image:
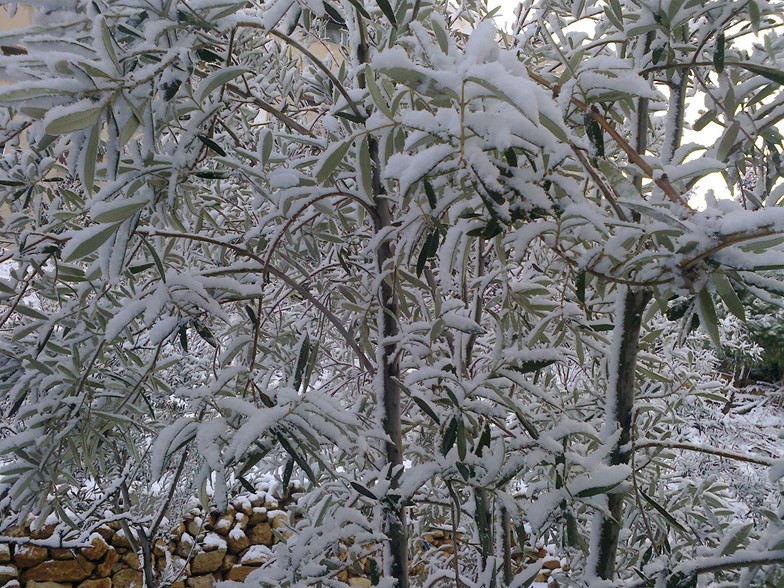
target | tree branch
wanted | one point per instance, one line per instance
(661, 181)
(315, 60)
(664, 444)
(298, 288)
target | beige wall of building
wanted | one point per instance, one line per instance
(23, 16)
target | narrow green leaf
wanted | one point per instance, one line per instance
(209, 143)
(573, 536)
(386, 8)
(375, 92)
(245, 484)
(350, 116)
(427, 409)
(170, 88)
(211, 174)
(718, 53)
(334, 14)
(595, 134)
(774, 75)
(204, 54)
(252, 316)
(90, 159)
(708, 318)
(75, 121)
(217, 79)
(63, 515)
(663, 512)
(24, 94)
(754, 15)
(302, 362)
(484, 440)
(727, 141)
(522, 537)
(156, 259)
(682, 580)
(429, 249)
(183, 334)
(323, 512)
(553, 127)
(461, 440)
(365, 167)
(332, 159)
(18, 402)
(120, 212)
(431, 195)
(527, 425)
(441, 36)
(266, 146)
(361, 9)
(729, 296)
(595, 491)
(204, 332)
(735, 538)
(287, 471)
(88, 241)
(255, 457)
(108, 43)
(314, 348)
(297, 457)
(363, 491)
(129, 129)
(449, 436)
(452, 398)
(456, 502)
(704, 119)
(672, 12)
(402, 9)
(484, 529)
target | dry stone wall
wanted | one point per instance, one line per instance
(202, 549)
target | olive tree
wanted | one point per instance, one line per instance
(436, 272)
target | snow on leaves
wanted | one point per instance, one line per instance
(213, 228)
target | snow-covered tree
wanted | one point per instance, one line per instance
(436, 273)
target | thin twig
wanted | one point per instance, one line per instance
(603, 187)
(727, 241)
(267, 107)
(664, 444)
(291, 283)
(327, 72)
(660, 180)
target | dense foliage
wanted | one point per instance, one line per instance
(434, 273)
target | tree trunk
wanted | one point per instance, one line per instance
(620, 404)
(389, 392)
(387, 361)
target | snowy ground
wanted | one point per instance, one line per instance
(754, 426)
